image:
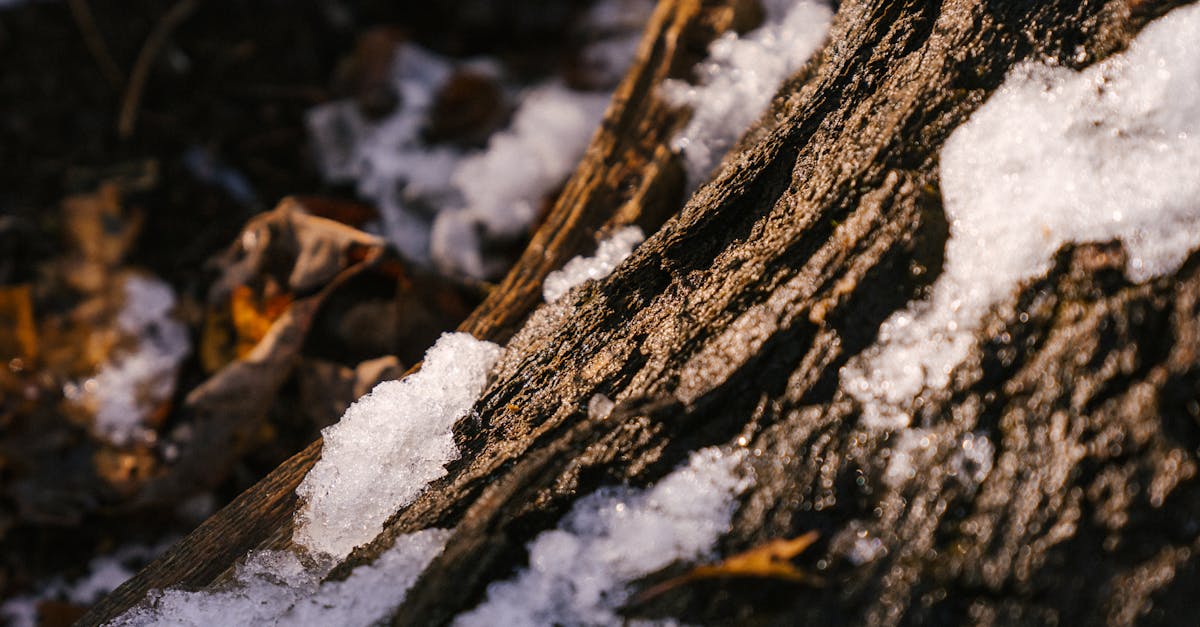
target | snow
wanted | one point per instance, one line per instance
(444, 205)
(280, 588)
(388, 159)
(579, 573)
(739, 78)
(389, 445)
(503, 186)
(1054, 156)
(609, 254)
(972, 461)
(600, 407)
(105, 574)
(133, 383)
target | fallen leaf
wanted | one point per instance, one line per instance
(18, 335)
(771, 560)
(252, 315)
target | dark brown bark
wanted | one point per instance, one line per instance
(628, 176)
(734, 318)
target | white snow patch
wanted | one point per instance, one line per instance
(389, 445)
(278, 588)
(600, 407)
(132, 384)
(609, 254)
(739, 78)
(1054, 156)
(911, 446)
(503, 186)
(105, 574)
(578, 573)
(444, 205)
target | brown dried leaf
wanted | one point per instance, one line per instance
(275, 278)
(770, 560)
(766, 561)
(101, 231)
(253, 316)
(18, 334)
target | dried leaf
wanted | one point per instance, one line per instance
(253, 316)
(18, 335)
(101, 231)
(274, 280)
(766, 561)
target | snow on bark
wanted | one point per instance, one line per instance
(579, 270)
(280, 588)
(739, 78)
(1054, 156)
(578, 573)
(389, 445)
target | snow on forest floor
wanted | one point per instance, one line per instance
(449, 205)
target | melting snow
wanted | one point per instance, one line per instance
(389, 445)
(503, 186)
(578, 573)
(1054, 156)
(132, 384)
(278, 588)
(610, 253)
(446, 205)
(739, 78)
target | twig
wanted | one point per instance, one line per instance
(157, 38)
(81, 11)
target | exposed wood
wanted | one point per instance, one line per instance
(741, 310)
(735, 317)
(627, 176)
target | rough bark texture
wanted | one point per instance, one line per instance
(734, 318)
(628, 176)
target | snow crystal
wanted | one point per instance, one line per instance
(973, 460)
(389, 445)
(578, 573)
(856, 542)
(739, 78)
(131, 385)
(504, 185)
(910, 448)
(600, 407)
(279, 588)
(1054, 156)
(610, 253)
(105, 574)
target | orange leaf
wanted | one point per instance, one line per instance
(18, 335)
(252, 318)
(766, 561)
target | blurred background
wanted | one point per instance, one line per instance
(170, 331)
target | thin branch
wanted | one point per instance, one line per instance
(81, 11)
(131, 103)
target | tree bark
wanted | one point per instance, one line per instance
(734, 318)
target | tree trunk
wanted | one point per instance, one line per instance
(734, 318)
